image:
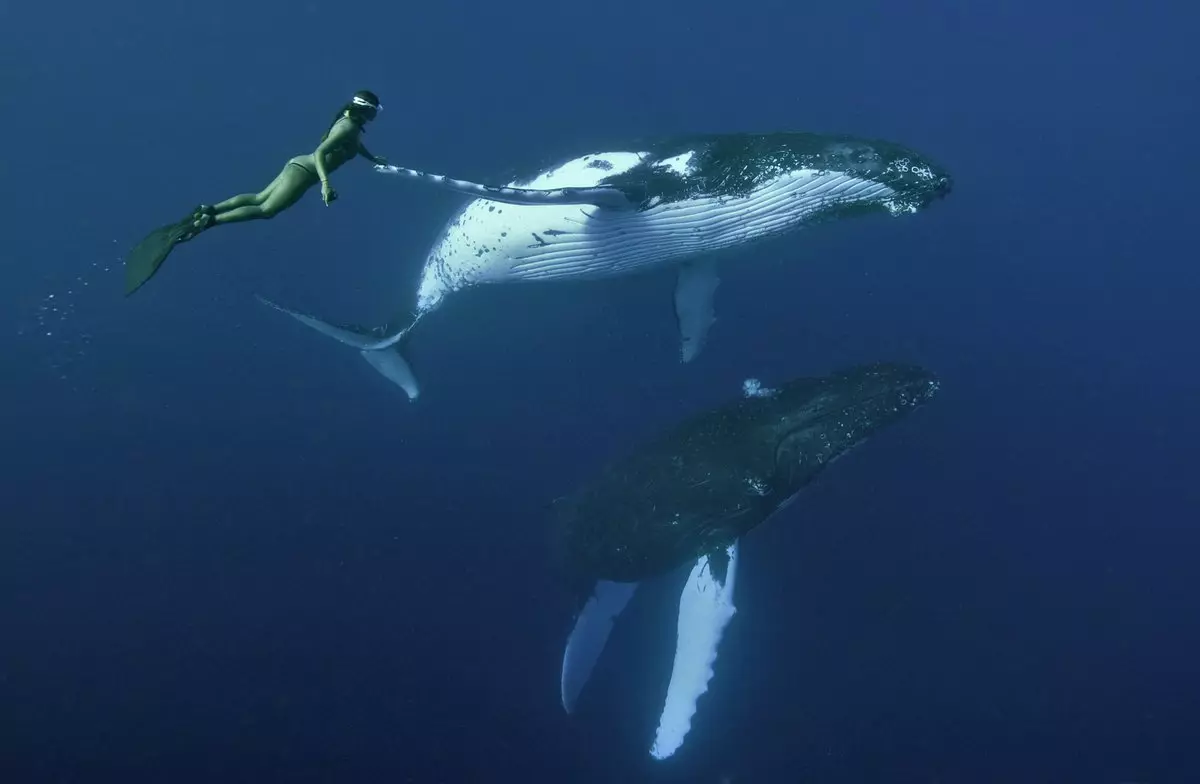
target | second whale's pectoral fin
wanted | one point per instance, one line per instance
(705, 609)
(599, 196)
(589, 636)
(694, 289)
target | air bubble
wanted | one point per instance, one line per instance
(56, 317)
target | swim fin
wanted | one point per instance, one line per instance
(149, 254)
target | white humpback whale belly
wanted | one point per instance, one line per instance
(491, 242)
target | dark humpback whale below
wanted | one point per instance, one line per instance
(674, 203)
(690, 495)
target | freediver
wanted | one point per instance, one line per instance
(341, 143)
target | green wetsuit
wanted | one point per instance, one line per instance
(341, 144)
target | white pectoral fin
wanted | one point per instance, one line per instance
(694, 288)
(705, 609)
(599, 195)
(587, 639)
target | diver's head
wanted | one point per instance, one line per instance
(364, 106)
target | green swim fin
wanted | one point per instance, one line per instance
(149, 254)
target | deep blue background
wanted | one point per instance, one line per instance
(230, 552)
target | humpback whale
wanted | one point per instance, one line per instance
(690, 495)
(667, 203)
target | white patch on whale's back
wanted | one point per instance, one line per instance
(494, 242)
(680, 164)
(585, 171)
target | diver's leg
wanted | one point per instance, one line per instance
(247, 199)
(286, 190)
(289, 190)
(232, 203)
(238, 214)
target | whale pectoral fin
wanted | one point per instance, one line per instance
(587, 639)
(382, 353)
(599, 195)
(705, 609)
(694, 288)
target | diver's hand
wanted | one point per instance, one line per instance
(328, 194)
(380, 160)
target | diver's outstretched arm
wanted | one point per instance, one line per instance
(378, 160)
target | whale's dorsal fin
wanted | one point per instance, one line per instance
(600, 196)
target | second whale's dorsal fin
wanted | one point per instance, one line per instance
(600, 196)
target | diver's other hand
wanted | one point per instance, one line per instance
(328, 194)
(380, 160)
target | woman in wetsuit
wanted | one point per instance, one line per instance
(342, 142)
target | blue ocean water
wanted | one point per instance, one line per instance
(231, 552)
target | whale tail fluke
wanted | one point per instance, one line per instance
(394, 366)
(382, 347)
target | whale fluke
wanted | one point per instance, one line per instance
(382, 354)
